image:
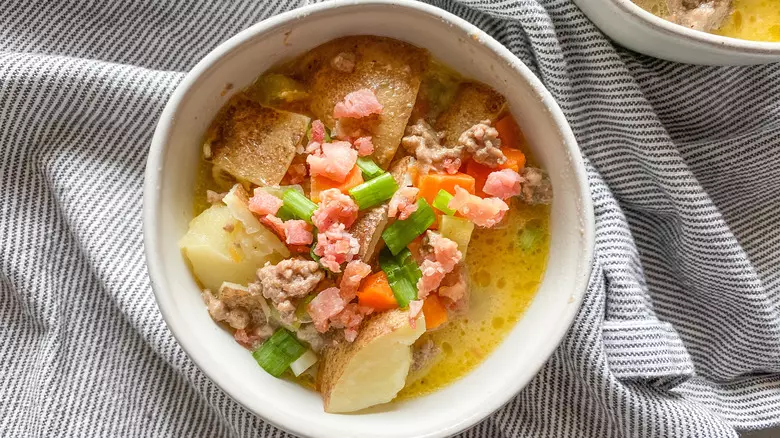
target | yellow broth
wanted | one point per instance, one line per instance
(503, 278)
(756, 20)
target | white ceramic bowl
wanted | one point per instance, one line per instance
(639, 30)
(168, 195)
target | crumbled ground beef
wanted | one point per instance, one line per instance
(482, 142)
(213, 197)
(288, 280)
(537, 188)
(704, 15)
(424, 142)
(423, 354)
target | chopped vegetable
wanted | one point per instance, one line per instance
(374, 191)
(409, 265)
(299, 205)
(441, 201)
(285, 214)
(480, 172)
(369, 168)
(431, 184)
(303, 363)
(321, 183)
(530, 235)
(509, 133)
(434, 311)
(401, 233)
(278, 352)
(375, 292)
(515, 159)
(458, 230)
(403, 288)
(301, 314)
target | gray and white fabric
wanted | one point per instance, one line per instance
(679, 333)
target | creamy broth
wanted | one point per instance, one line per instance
(503, 279)
(756, 20)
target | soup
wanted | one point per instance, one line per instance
(368, 223)
(757, 20)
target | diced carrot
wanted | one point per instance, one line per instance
(433, 182)
(414, 245)
(515, 159)
(510, 134)
(319, 183)
(480, 174)
(434, 311)
(375, 292)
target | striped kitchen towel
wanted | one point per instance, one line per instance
(679, 333)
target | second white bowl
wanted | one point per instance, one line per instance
(639, 30)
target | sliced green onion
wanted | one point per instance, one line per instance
(285, 214)
(530, 235)
(374, 191)
(442, 202)
(278, 352)
(401, 233)
(301, 312)
(458, 230)
(303, 363)
(299, 205)
(403, 288)
(409, 265)
(369, 168)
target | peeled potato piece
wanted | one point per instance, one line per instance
(254, 143)
(391, 68)
(219, 248)
(473, 103)
(371, 370)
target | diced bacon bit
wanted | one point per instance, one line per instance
(317, 132)
(454, 286)
(354, 273)
(415, 307)
(334, 161)
(334, 208)
(443, 260)
(485, 212)
(336, 246)
(324, 306)
(349, 319)
(275, 224)
(445, 251)
(364, 146)
(503, 184)
(251, 339)
(432, 275)
(403, 203)
(263, 203)
(360, 103)
(329, 310)
(298, 232)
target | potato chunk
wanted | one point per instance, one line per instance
(473, 103)
(252, 142)
(391, 68)
(220, 249)
(371, 370)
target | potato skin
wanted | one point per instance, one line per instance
(335, 359)
(391, 68)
